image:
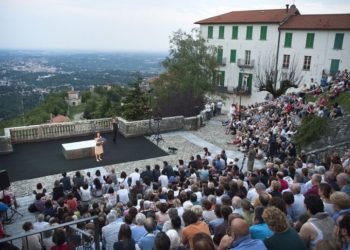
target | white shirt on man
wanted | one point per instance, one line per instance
(134, 177)
(123, 195)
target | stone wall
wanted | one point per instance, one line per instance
(147, 127)
(46, 132)
(335, 139)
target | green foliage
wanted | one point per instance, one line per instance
(311, 129)
(135, 104)
(189, 74)
(103, 102)
(344, 101)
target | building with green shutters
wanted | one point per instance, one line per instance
(246, 40)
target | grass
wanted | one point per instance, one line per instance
(344, 101)
(310, 128)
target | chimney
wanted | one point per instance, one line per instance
(287, 8)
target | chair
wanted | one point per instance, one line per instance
(8, 202)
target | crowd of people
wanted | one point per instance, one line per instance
(295, 201)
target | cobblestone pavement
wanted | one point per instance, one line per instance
(188, 143)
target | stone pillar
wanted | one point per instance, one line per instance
(5, 145)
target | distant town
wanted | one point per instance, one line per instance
(26, 77)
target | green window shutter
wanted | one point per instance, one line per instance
(249, 82)
(249, 35)
(338, 41)
(334, 66)
(240, 80)
(221, 32)
(222, 78)
(288, 40)
(235, 32)
(210, 32)
(310, 40)
(233, 56)
(263, 32)
(219, 55)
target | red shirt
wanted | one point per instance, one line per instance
(72, 205)
(284, 185)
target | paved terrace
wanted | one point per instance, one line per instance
(188, 143)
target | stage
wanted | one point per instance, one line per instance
(32, 160)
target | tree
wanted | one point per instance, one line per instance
(189, 72)
(270, 79)
(135, 104)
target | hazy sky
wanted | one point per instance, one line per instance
(143, 25)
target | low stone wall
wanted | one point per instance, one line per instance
(147, 127)
(46, 132)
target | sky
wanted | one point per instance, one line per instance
(122, 25)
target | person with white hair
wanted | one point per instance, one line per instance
(187, 205)
(138, 230)
(110, 231)
(174, 239)
(175, 222)
(40, 223)
(343, 181)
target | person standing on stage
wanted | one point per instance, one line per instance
(99, 147)
(115, 123)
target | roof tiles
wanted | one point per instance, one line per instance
(251, 16)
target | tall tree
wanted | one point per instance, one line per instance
(277, 82)
(135, 104)
(189, 72)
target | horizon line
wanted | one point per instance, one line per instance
(83, 50)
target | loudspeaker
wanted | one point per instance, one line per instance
(4, 180)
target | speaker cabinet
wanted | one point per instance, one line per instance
(4, 180)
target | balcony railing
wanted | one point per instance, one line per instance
(243, 63)
(222, 62)
(243, 92)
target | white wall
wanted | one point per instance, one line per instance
(321, 54)
(263, 49)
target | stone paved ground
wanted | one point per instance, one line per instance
(188, 143)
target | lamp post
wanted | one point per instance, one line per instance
(241, 92)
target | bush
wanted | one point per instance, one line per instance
(310, 130)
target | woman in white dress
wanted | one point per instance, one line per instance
(98, 147)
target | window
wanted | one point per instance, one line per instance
(219, 78)
(221, 32)
(338, 41)
(247, 57)
(334, 66)
(285, 64)
(233, 56)
(263, 32)
(288, 40)
(307, 62)
(245, 81)
(210, 32)
(249, 35)
(310, 40)
(235, 32)
(219, 55)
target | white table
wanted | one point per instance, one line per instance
(80, 149)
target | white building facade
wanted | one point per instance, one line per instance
(246, 39)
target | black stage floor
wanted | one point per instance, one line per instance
(32, 160)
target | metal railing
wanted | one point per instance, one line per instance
(88, 240)
(243, 63)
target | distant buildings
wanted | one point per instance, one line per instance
(74, 99)
(247, 39)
